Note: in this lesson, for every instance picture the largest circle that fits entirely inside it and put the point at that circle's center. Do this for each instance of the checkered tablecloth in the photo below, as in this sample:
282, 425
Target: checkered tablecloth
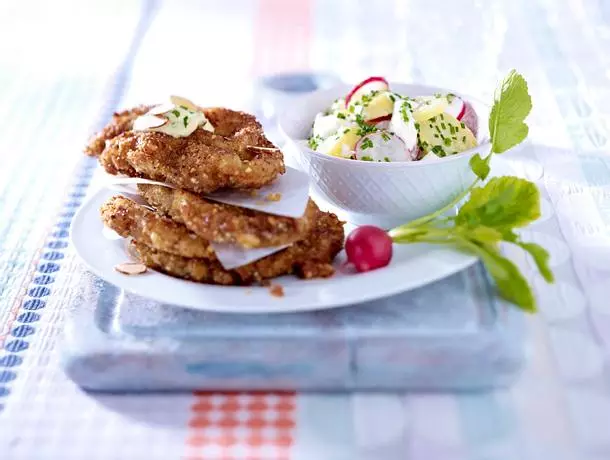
66, 65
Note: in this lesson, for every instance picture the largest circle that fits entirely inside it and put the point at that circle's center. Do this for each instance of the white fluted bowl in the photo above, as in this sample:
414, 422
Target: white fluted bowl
383, 194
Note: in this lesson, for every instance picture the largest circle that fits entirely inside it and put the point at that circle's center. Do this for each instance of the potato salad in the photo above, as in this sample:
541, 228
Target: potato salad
374, 123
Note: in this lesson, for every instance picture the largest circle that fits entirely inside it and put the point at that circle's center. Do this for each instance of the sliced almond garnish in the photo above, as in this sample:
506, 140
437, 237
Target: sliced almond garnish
131, 268
266, 149
161, 109
208, 126
149, 121
177, 100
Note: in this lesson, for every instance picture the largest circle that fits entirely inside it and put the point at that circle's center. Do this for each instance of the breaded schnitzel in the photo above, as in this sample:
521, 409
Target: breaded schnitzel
130, 219
236, 155
223, 223
121, 122
309, 258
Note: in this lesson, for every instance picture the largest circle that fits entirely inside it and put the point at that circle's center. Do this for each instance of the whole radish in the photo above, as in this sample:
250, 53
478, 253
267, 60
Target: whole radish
368, 248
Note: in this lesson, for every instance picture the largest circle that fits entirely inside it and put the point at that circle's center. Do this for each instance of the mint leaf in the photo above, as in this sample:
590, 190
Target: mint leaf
503, 203
512, 104
480, 166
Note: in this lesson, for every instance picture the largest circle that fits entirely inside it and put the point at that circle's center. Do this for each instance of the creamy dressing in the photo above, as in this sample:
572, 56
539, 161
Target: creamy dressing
176, 121
402, 123
326, 125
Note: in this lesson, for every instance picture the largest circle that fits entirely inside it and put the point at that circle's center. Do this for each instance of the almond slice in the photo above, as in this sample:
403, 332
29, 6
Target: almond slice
177, 100
266, 149
148, 121
160, 109
131, 268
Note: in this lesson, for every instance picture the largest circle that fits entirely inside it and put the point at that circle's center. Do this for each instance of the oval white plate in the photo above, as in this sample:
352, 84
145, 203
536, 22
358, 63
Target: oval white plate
412, 266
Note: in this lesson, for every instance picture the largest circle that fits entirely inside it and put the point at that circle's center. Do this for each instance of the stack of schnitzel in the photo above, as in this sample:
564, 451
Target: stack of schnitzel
197, 151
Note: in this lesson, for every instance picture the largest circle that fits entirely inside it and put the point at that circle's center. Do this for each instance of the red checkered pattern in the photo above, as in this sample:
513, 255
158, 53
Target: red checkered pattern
236, 426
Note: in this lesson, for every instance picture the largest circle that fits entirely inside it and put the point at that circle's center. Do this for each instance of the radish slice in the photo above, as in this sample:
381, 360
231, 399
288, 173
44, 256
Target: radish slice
366, 87
456, 107
383, 125
383, 146
464, 112
470, 118
375, 121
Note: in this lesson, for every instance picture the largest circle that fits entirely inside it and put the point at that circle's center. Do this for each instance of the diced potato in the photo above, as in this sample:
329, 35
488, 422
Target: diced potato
380, 105
445, 135
341, 144
426, 107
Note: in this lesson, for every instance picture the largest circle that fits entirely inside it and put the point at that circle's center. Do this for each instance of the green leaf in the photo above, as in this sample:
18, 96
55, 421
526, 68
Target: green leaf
480, 166
541, 258
539, 254
503, 203
484, 234
512, 104
512, 285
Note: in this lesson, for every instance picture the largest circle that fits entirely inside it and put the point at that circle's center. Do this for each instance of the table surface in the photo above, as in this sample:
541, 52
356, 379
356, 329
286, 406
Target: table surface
66, 65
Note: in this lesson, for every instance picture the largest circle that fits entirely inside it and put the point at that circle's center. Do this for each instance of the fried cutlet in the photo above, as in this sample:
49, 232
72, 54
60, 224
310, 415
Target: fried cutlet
309, 258
121, 122
130, 219
237, 155
223, 223
227, 123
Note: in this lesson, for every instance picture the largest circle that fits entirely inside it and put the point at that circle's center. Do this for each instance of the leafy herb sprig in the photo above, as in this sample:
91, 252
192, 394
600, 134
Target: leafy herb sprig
493, 211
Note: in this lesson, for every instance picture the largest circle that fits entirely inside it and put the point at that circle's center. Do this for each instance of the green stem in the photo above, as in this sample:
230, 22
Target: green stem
471, 247
432, 236
428, 237
425, 219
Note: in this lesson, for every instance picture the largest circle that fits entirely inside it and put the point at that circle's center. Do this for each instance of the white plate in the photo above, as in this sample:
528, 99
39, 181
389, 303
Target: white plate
412, 266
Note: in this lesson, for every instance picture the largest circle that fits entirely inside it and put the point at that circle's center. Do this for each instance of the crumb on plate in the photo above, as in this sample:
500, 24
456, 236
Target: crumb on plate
276, 290
274, 197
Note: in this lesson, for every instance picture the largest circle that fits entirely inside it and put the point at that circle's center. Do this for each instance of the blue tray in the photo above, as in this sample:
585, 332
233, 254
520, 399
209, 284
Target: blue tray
450, 335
